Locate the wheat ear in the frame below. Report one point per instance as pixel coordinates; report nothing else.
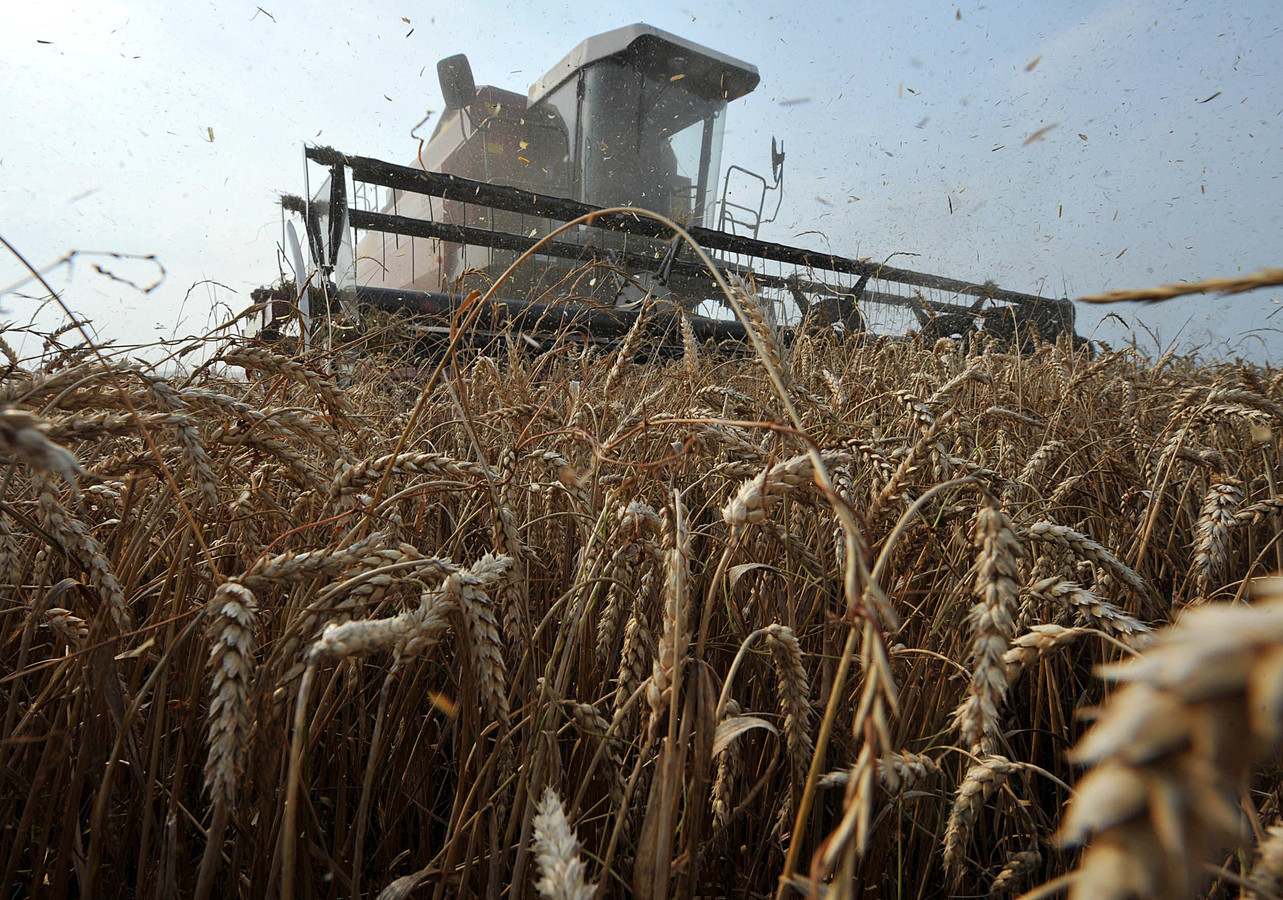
(992, 625)
(1092, 610)
(978, 787)
(1212, 533)
(234, 618)
(1169, 749)
(1015, 873)
(1085, 548)
(756, 496)
(1266, 879)
(23, 436)
(561, 870)
(674, 640)
(795, 700)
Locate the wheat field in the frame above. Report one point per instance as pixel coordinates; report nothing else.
(820, 620)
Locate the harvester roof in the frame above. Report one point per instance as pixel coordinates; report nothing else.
(664, 56)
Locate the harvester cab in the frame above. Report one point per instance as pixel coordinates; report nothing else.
(632, 118)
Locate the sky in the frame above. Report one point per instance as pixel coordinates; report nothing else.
(170, 130)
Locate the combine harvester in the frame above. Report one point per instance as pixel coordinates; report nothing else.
(631, 118)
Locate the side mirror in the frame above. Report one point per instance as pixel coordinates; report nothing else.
(457, 86)
(777, 160)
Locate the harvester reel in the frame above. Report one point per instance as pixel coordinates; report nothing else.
(839, 312)
(957, 327)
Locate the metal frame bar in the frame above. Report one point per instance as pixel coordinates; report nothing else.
(454, 187)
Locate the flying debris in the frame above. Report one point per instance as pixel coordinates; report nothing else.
(1040, 134)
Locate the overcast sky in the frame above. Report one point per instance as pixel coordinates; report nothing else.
(171, 129)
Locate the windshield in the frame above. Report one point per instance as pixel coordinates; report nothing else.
(649, 143)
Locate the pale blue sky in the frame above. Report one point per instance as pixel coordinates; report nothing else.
(908, 108)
